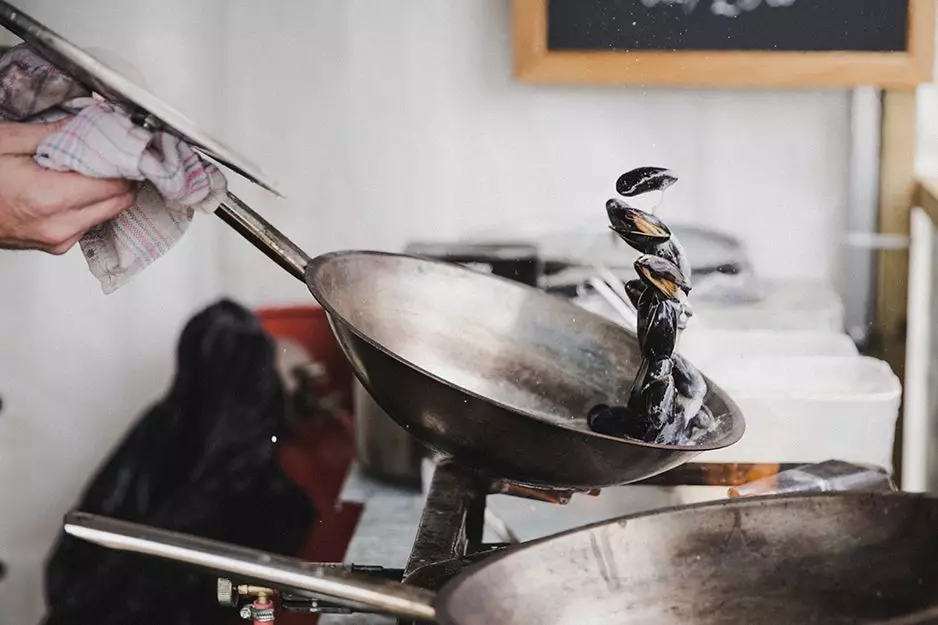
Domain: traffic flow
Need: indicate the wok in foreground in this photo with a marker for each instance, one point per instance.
(826, 559)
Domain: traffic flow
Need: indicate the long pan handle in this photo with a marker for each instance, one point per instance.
(263, 235)
(250, 565)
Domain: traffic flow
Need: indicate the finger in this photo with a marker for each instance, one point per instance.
(63, 230)
(95, 214)
(17, 138)
(62, 248)
(62, 191)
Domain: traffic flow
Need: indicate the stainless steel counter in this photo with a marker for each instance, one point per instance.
(388, 525)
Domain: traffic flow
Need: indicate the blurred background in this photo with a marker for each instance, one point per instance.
(385, 123)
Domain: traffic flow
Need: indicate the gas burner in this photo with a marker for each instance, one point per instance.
(449, 538)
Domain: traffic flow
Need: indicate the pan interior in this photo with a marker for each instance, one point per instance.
(517, 346)
(822, 560)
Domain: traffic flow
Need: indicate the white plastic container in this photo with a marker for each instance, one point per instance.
(810, 409)
(786, 305)
(702, 345)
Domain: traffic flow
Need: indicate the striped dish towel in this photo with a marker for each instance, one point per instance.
(100, 141)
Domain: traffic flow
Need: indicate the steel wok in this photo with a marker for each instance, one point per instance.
(822, 559)
(496, 375)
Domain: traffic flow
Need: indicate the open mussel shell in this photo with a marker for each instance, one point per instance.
(663, 276)
(644, 180)
(643, 231)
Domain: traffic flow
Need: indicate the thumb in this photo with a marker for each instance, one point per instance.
(19, 138)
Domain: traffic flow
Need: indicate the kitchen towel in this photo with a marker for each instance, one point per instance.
(101, 141)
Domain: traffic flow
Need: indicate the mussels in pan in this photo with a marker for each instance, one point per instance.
(666, 403)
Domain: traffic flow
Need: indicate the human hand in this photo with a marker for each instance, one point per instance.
(48, 210)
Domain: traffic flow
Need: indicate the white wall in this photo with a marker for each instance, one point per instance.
(390, 120)
(383, 120)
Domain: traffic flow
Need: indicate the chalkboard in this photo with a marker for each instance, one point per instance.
(887, 43)
(801, 25)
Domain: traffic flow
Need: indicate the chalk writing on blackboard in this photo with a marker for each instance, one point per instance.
(723, 8)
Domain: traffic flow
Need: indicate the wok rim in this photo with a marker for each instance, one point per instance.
(318, 263)
(443, 596)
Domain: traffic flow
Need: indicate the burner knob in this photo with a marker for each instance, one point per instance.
(227, 593)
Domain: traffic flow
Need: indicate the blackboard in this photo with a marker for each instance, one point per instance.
(802, 25)
(887, 43)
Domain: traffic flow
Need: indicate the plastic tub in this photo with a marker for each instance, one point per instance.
(702, 345)
(786, 305)
(810, 409)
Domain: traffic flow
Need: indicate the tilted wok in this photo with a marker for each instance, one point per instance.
(825, 559)
(497, 375)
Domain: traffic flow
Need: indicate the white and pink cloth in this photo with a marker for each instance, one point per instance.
(101, 141)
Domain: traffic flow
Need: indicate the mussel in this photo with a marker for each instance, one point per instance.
(663, 276)
(657, 325)
(634, 289)
(643, 231)
(620, 421)
(645, 179)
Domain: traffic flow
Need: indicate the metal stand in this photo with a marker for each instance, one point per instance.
(449, 536)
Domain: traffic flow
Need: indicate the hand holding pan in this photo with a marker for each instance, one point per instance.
(832, 558)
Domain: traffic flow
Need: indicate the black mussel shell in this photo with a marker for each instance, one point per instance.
(645, 179)
(659, 369)
(634, 289)
(604, 419)
(639, 229)
(618, 421)
(662, 275)
(658, 400)
(657, 326)
(688, 381)
(601, 418)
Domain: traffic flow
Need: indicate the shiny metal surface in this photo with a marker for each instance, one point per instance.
(154, 113)
(263, 235)
(250, 565)
(831, 559)
(827, 559)
(493, 374)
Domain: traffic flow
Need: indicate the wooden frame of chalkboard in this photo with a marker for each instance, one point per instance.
(588, 54)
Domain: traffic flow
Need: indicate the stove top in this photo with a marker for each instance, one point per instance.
(449, 534)
(459, 523)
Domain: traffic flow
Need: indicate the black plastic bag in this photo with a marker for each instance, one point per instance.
(201, 461)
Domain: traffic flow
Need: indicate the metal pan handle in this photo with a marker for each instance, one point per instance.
(263, 235)
(250, 565)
